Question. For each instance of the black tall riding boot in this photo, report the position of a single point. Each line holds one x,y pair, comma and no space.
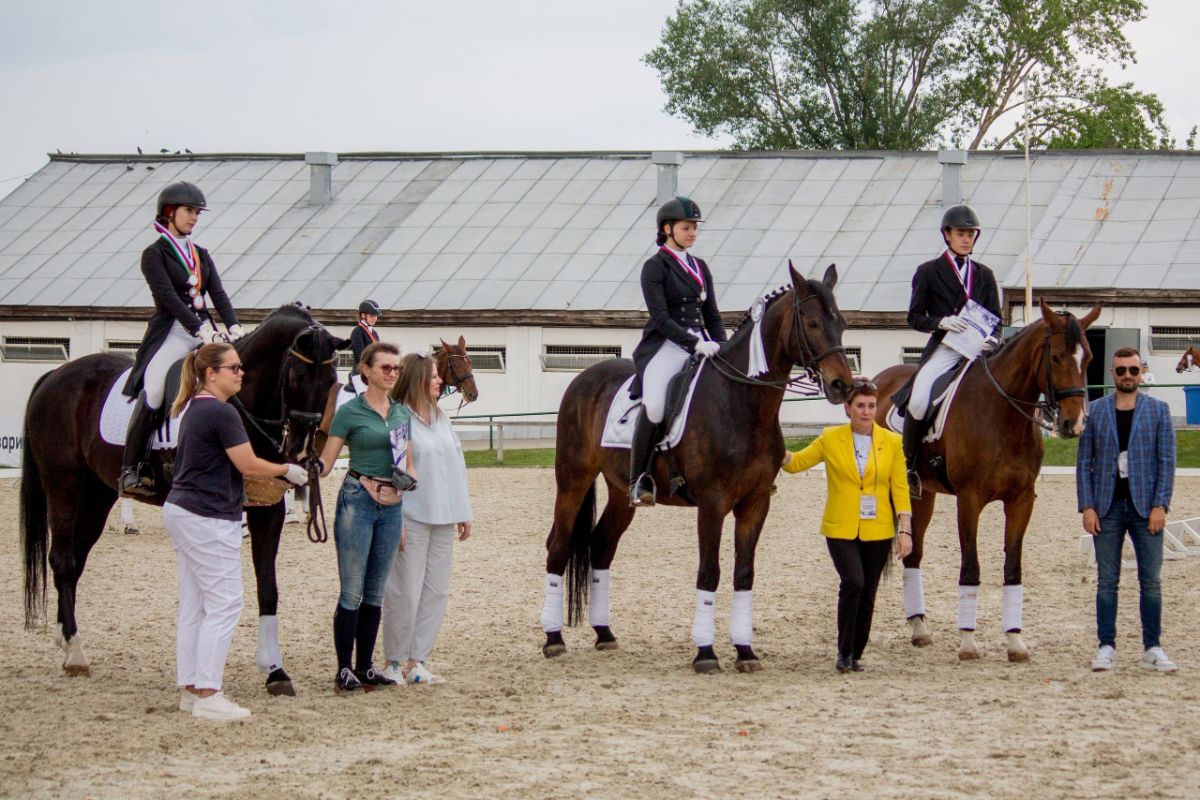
914,431
641,461
136,476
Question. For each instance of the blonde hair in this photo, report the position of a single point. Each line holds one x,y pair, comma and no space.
412,387
195,367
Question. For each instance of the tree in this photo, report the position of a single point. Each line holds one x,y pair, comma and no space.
904,74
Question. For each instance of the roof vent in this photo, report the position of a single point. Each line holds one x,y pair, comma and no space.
952,163
320,177
668,163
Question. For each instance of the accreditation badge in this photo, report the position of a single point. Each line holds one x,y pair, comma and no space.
866,506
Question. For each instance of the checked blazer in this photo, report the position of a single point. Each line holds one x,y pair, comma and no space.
1151,456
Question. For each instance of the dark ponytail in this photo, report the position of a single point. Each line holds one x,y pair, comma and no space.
195,368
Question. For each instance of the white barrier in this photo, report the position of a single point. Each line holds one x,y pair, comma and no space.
1181,539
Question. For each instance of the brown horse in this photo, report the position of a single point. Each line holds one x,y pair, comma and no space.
992,449
729,455
1189,361
456,370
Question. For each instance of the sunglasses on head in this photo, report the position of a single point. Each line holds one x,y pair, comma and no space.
234,368
1120,371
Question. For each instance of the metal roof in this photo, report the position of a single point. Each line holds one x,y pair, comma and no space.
569,231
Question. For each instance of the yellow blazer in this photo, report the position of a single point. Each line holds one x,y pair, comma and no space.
884,477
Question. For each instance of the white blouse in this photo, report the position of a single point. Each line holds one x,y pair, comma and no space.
441,495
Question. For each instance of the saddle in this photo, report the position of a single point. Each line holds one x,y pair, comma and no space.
623,411
939,394
114,416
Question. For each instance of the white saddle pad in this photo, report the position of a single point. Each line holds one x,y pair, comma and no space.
346,394
623,414
941,409
114,418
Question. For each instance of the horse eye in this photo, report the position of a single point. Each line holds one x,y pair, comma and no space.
1055,358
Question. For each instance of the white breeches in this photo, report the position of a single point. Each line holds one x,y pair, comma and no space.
665,365
941,361
417,591
177,345
210,593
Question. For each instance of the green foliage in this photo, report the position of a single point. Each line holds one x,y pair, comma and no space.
905,74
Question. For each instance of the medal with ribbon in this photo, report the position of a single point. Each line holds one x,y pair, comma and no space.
185,251
969,269
695,272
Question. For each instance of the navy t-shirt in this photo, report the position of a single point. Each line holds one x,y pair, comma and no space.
1124,428
206,482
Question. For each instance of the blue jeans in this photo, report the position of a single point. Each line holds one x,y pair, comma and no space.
367,536
1123,518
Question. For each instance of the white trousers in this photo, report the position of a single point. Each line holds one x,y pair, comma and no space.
666,363
417,591
210,593
177,345
942,360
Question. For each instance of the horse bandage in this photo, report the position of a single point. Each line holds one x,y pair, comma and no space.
741,618
599,601
968,607
552,608
704,625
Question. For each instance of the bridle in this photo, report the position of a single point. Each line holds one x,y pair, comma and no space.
1048,405
810,381
456,381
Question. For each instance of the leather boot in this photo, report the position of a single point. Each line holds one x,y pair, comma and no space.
641,461
136,478
914,431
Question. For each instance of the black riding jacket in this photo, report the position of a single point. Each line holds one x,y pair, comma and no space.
937,292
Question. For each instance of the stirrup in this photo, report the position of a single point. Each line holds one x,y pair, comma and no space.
914,484
642,491
136,482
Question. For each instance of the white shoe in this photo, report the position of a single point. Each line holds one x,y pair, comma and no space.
1155,660
219,707
420,674
394,672
187,701
1106,658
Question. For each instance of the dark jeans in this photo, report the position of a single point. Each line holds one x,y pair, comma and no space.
1121,519
859,564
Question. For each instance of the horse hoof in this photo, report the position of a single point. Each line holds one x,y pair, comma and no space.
604,638
748,665
281,689
1018,656
968,655
77,670
923,640
554,650
607,645
707,666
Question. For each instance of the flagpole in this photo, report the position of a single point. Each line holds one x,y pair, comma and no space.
1028,230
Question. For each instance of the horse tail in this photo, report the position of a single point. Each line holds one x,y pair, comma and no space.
34,527
579,561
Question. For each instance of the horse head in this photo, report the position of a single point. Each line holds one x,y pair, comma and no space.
455,368
814,337
1189,361
308,374
1064,362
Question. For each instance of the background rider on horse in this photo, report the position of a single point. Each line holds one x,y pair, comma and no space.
363,335
940,290
180,274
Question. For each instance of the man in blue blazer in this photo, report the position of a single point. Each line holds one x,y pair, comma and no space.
1124,476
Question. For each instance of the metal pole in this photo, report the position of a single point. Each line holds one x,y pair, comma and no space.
1028,229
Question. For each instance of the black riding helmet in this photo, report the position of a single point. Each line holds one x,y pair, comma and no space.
961,216
180,194
368,307
677,209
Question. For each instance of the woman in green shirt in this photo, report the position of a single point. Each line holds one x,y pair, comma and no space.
368,524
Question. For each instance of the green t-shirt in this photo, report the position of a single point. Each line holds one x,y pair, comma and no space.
374,444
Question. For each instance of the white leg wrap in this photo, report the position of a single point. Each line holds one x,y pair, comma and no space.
704,626
741,618
600,597
968,607
552,608
269,658
914,593
1011,604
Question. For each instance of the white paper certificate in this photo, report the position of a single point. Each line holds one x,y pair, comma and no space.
980,324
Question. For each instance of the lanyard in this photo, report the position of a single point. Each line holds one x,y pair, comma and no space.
370,331
187,256
970,270
697,276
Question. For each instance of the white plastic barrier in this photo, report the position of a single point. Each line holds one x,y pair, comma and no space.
1181,539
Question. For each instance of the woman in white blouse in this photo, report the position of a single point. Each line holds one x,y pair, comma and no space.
435,513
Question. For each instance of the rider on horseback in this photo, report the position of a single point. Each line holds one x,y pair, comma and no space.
364,334
940,291
179,274
684,320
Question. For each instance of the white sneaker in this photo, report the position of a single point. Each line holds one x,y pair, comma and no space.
219,707
187,701
420,674
1105,659
1155,660
394,672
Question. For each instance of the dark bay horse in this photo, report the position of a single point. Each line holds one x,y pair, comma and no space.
729,456
69,478
992,447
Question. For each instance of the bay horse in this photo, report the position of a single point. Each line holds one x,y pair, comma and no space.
992,448
1189,361
455,368
69,477
729,456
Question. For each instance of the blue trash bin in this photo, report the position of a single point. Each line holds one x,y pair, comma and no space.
1192,395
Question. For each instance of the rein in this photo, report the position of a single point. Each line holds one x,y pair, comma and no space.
1047,406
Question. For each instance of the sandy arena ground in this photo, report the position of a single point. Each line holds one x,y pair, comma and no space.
635,722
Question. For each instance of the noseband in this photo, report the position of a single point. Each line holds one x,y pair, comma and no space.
1048,406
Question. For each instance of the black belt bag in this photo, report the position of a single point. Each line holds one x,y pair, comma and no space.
383,492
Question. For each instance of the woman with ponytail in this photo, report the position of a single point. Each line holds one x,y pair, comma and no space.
203,518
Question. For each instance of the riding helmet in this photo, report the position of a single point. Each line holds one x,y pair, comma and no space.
181,194
961,216
368,307
677,209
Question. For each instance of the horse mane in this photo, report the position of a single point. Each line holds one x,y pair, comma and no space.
289,312
1074,333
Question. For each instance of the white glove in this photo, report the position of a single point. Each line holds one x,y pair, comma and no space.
236,332
991,344
955,324
296,474
210,335
707,349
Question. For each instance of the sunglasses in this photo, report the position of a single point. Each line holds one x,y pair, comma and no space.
1133,371
234,368
389,369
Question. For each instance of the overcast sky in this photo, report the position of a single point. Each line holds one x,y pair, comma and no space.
274,76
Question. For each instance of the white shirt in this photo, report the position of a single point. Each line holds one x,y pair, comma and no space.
441,495
862,451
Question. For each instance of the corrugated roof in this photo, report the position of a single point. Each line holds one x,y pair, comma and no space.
570,230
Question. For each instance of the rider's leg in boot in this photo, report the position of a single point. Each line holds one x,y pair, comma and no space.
136,477
914,431
641,459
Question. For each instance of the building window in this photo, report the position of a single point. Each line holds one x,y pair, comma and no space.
37,349
1172,340
576,357
485,357
345,359
124,347
910,355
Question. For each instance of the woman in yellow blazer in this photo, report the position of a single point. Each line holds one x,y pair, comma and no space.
867,491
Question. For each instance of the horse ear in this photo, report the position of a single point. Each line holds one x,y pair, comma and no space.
341,344
1090,317
444,345
462,342
1047,314
797,279
830,279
